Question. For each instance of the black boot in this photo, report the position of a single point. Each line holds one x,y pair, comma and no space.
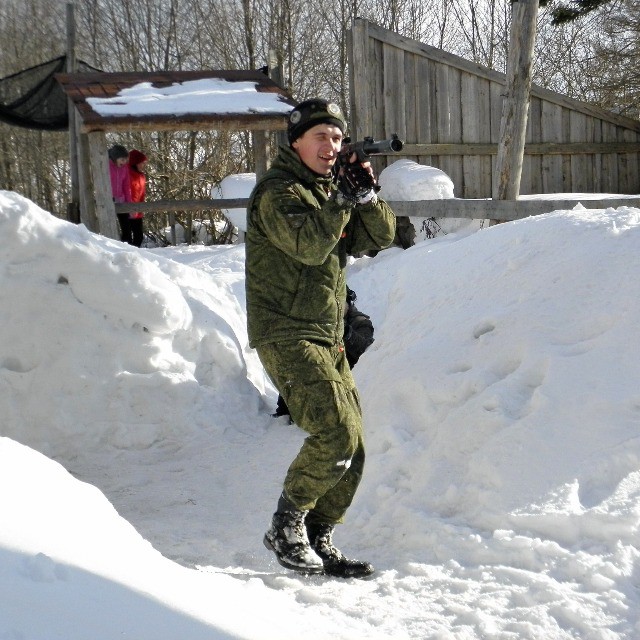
287,538
335,564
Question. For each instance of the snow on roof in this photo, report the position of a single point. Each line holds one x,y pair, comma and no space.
193,96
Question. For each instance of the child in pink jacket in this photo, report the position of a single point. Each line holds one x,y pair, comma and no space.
120,185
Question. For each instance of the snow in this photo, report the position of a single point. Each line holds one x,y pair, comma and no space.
141,466
408,180
234,186
192,96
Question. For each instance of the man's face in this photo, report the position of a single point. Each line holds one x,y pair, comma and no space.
318,147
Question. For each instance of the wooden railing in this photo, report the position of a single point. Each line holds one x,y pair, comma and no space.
478,209
533,149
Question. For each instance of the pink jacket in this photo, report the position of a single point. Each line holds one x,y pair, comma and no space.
120,183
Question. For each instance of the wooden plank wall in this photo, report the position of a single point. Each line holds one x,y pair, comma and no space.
428,96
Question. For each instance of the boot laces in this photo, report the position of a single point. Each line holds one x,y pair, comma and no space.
324,546
290,524
296,530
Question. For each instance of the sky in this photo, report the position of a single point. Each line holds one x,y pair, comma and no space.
141,465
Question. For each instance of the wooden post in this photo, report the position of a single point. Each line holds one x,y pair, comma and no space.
86,190
276,73
515,106
73,208
99,162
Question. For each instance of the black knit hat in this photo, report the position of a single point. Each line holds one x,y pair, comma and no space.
312,112
118,151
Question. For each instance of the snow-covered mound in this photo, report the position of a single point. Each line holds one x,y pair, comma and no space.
500,496
103,342
237,185
502,387
408,180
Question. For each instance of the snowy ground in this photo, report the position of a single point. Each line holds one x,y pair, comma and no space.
140,465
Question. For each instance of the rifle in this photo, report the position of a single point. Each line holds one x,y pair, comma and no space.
369,147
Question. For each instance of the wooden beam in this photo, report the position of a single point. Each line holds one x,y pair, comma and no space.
501,210
86,190
73,213
183,123
540,148
479,209
99,162
182,205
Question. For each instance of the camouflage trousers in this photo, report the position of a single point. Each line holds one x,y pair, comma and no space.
316,383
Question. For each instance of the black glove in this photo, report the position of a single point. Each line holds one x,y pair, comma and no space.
358,334
355,182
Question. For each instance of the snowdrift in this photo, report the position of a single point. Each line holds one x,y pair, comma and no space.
501,405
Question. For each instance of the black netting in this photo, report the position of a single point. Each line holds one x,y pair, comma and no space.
33,99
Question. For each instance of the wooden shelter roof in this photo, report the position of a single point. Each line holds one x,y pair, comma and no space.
79,87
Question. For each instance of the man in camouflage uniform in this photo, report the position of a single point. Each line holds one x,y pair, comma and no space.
357,338
302,223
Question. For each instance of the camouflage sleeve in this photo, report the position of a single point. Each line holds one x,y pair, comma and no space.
373,226
294,224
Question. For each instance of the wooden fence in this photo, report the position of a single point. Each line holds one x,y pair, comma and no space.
479,209
448,110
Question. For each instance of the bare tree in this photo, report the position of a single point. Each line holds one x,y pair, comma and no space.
613,76
32,162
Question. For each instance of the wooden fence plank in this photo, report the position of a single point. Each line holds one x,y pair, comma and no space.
631,164
412,101
597,157
425,105
394,93
470,124
580,163
531,167
496,91
476,128
376,89
359,70
552,131
611,182
452,165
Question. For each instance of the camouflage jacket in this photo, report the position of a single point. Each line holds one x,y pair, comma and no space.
297,242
